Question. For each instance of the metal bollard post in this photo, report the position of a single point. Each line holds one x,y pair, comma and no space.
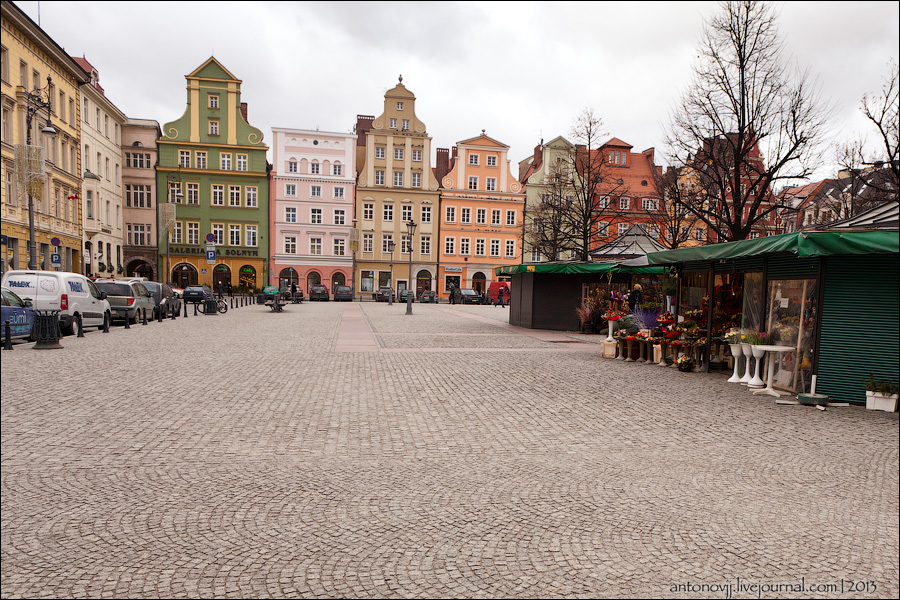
105,324
144,316
185,309
195,309
127,321
174,313
80,327
159,316
7,337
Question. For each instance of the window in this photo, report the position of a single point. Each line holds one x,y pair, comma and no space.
450,214
405,124
623,228
292,166
405,244
464,246
193,233
174,190
398,178
368,211
406,211
338,247
290,214
315,216
241,162
379,177
473,159
624,203
495,247
510,248
234,235
388,213
218,195
650,204
491,161
213,100
473,183
417,155
290,244
251,197
218,231
685,233
398,153
201,160
193,194
495,217
250,236
386,240
290,189
213,128
425,244
417,180
449,245
225,161
479,247
510,218
465,215
339,217
393,123
339,193
399,106
535,255
314,168
379,152
654,231
604,202
700,234
315,191
426,214
336,169
234,196
481,216
491,184
368,242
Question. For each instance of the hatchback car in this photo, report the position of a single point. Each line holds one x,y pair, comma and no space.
318,292
428,296
404,294
164,296
18,313
197,293
384,294
343,293
127,299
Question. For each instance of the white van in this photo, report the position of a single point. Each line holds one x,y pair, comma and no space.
72,294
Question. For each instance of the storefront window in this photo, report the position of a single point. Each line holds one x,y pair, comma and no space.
729,294
694,299
751,319
792,321
367,281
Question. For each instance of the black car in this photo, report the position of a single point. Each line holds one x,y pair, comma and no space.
318,292
197,293
343,293
428,296
462,296
385,294
167,301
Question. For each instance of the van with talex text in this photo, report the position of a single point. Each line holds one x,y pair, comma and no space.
73,295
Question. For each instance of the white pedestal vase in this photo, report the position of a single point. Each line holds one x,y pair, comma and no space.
737,352
748,354
758,353
612,326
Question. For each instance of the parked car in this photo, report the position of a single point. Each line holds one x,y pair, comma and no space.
128,299
164,296
72,294
464,296
343,293
18,313
384,294
428,296
406,293
318,292
197,293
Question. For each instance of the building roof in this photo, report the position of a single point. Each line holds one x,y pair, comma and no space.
886,216
633,243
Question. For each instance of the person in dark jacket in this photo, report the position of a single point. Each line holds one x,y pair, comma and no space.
501,293
635,297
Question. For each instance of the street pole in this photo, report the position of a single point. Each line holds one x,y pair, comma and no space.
411,230
34,102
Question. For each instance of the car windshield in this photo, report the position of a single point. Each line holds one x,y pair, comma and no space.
115,289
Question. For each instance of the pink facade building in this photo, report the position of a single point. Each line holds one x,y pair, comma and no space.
311,208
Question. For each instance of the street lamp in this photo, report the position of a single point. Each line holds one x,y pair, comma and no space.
410,231
391,246
174,182
34,102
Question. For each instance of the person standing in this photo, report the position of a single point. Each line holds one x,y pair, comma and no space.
635,297
500,296
230,290
221,290
452,299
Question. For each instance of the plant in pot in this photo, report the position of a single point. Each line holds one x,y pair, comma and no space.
881,394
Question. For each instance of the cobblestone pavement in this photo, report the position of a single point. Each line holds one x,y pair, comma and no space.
350,450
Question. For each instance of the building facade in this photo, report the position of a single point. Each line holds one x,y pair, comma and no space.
103,227
536,173
311,220
28,56
395,186
139,181
213,172
481,214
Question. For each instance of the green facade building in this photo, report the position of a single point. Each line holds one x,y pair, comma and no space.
213,188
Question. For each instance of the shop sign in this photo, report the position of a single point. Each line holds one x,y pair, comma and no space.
453,269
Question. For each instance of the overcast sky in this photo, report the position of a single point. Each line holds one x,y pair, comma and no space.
521,71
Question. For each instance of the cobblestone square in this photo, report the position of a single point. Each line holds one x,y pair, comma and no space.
351,450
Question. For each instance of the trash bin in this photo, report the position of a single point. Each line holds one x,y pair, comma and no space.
260,298
209,306
46,329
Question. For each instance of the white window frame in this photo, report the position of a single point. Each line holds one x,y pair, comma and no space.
426,214
290,214
368,211
232,239
315,246
450,245
387,212
449,214
510,218
290,244
315,216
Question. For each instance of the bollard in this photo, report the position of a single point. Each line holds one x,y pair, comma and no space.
195,308
7,337
159,316
174,313
80,326
127,321
144,320
185,309
105,324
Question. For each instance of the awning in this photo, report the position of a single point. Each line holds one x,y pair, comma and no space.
578,268
803,244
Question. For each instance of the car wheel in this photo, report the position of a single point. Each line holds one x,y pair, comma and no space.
72,329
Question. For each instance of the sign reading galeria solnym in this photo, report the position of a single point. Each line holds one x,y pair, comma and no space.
222,251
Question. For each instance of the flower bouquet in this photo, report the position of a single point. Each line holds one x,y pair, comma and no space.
666,318
685,363
733,336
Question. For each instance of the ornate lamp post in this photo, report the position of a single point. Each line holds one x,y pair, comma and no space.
410,231
391,245
34,102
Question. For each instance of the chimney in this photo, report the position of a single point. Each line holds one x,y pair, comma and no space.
363,124
442,164
244,112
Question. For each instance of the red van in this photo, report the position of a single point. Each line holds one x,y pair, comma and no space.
493,290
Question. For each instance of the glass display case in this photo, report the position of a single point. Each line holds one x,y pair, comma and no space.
792,321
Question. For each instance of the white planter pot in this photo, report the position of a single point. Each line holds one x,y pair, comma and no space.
878,401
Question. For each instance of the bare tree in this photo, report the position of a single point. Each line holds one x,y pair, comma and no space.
884,112
549,216
678,192
745,123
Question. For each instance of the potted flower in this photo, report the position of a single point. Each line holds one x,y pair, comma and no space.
685,363
881,394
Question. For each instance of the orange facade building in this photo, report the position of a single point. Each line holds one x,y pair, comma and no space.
481,216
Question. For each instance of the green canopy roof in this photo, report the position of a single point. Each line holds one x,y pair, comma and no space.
578,268
802,244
